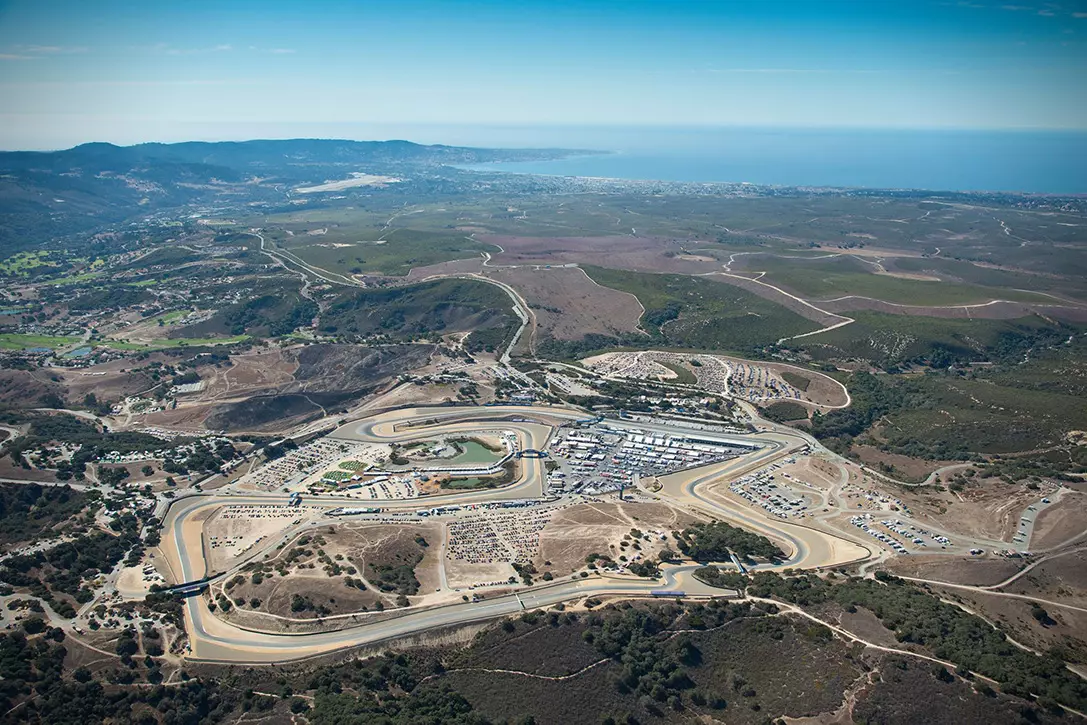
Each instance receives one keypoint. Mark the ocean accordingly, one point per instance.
(1047, 162)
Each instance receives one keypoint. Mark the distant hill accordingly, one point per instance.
(219, 158)
(49, 195)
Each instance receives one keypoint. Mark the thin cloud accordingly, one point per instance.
(119, 83)
(1045, 10)
(273, 51)
(50, 49)
(170, 50)
(791, 70)
(34, 52)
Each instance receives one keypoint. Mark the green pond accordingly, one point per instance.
(475, 453)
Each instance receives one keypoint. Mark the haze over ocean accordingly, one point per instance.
(1048, 162)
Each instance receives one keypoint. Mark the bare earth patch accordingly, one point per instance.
(584, 529)
(188, 417)
(107, 382)
(867, 626)
(456, 267)
(955, 570)
(568, 305)
(1061, 579)
(1059, 523)
(990, 509)
(905, 468)
(357, 179)
(634, 253)
(276, 593)
(249, 372)
(232, 531)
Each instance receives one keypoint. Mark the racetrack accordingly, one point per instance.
(213, 639)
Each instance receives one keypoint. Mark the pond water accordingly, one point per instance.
(475, 453)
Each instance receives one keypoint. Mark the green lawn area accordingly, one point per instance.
(23, 263)
(847, 275)
(799, 382)
(684, 376)
(336, 475)
(172, 342)
(75, 278)
(463, 484)
(169, 317)
(15, 341)
(783, 411)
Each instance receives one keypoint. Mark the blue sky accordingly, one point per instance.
(132, 71)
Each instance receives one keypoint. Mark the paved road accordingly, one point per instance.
(215, 640)
(224, 643)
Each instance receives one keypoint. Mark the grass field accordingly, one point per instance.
(799, 382)
(973, 274)
(785, 411)
(23, 263)
(169, 317)
(700, 314)
(16, 341)
(683, 375)
(75, 278)
(847, 275)
(172, 343)
(467, 484)
(362, 249)
(888, 340)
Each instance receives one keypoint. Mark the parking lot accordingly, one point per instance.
(893, 532)
(601, 458)
(765, 489)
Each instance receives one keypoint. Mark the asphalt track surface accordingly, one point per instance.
(212, 639)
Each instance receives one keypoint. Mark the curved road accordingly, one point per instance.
(213, 639)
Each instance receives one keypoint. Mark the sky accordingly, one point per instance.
(128, 71)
